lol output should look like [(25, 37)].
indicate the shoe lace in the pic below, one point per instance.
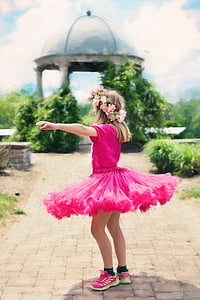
[(103, 277)]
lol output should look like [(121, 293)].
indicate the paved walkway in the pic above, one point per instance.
[(42, 258)]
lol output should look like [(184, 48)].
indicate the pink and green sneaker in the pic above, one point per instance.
[(124, 277), (105, 281)]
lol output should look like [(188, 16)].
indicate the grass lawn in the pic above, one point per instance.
[(191, 193), (8, 206)]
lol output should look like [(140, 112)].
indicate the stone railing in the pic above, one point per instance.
[(18, 154)]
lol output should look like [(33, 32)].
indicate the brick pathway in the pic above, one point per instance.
[(42, 258)]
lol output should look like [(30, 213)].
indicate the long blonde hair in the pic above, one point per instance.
[(123, 132)]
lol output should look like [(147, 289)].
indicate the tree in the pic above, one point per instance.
[(145, 106), (187, 114), (9, 104)]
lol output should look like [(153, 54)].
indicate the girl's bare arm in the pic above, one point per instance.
[(75, 128)]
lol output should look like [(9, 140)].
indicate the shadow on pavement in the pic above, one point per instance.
[(143, 287)]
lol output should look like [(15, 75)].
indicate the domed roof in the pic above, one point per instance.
[(88, 35)]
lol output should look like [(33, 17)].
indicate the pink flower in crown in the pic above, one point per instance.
[(121, 116), (100, 88), (122, 113), (103, 99), (104, 107), (111, 108), (92, 93), (95, 101)]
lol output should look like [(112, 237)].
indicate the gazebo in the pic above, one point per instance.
[(85, 46)]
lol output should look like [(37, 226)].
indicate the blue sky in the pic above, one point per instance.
[(165, 32)]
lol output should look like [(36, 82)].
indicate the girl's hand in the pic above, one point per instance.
[(46, 125)]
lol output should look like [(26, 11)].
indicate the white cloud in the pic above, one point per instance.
[(181, 77), (82, 83), (7, 6), (81, 95), (167, 32), (25, 42), (4, 7)]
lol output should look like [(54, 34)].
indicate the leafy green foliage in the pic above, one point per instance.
[(87, 116), (145, 106), (173, 157), (162, 154), (185, 160), (187, 114), (25, 118), (9, 104), (85, 109), (59, 108)]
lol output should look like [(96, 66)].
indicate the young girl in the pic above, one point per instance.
[(110, 190)]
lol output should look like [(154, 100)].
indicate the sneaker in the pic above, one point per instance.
[(124, 277), (105, 281)]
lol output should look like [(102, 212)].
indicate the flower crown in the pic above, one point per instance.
[(106, 106)]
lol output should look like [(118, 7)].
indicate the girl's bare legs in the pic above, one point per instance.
[(118, 238), (99, 223)]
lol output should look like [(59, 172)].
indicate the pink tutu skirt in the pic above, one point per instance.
[(112, 189)]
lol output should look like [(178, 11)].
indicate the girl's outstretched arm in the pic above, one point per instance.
[(75, 128)]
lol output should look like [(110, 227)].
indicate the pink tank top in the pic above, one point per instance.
[(105, 147)]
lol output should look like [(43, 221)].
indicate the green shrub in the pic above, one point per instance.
[(59, 108), (25, 118), (162, 154), (177, 158), (185, 159), (197, 158)]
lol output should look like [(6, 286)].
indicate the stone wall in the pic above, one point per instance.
[(18, 154)]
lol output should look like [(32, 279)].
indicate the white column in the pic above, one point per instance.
[(64, 74), (39, 83)]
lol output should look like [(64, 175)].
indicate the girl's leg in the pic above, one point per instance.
[(118, 238), (99, 223)]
